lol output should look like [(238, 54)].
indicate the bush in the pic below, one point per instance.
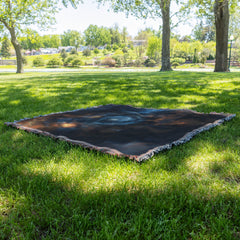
[(131, 46), (175, 64), (63, 54), (54, 62), (138, 62), (86, 52), (109, 61), (73, 61), (74, 51), (115, 46), (97, 62), (119, 60), (180, 54), (118, 52), (96, 50), (125, 50), (105, 52), (68, 60), (38, 62), (24, 60), (203, 59), (126, 59), (130, 63), (109, 48), (211, 57), (150, 62), (178, 60), (76, 62)]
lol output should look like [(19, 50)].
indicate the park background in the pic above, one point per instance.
[(93, 36)]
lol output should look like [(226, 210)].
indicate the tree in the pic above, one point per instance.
[(165, 9), (51, 41), (31, 41), (97, 36), (144, 9), (205, 32), (124, 35), (72, 38), (5, 49), (234, 25), (115, 35), (15, 15), (221, 10), (144, 35), (154, 48)]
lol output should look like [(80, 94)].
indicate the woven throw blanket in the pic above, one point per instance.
[(122, 130)]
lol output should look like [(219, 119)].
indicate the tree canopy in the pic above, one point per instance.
[(5, 49), (17, 15), (97, 36), (71, 38), (145, 9)]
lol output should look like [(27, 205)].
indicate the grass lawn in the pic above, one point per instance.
[(52, 190)]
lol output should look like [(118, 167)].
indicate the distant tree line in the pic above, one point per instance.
[(93, 36), (195, 48)]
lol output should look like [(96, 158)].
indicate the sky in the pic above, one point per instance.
[(88, 13)]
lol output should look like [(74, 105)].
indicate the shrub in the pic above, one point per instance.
[(63, 54), (203, 59), (180, 54), (109, 48), (105, 52), (109, 61), (150, 62), (125, 50), (38, 62), (175, 64), (74, 51), (68, 60), (96, 50), (119, 60), (195, 56), (153, 49), (76, 62), (86, 52), (131, 46), (126, 58), (97, 62), (211, 57), (118, 52), (130, 63), (138, 62), (115, 46), (54, 62), (73, 61), (24, 60), (178, 60)]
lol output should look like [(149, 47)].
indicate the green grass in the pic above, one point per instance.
[(52, 190)]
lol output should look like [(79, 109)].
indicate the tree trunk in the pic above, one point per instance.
[(17, 48), (221, 12), (165, 8)]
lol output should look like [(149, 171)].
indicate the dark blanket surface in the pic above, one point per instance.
[(137, 133)]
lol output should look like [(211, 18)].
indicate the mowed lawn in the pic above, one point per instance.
[(52, 190)]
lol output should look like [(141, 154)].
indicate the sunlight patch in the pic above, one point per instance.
[(122, 130)]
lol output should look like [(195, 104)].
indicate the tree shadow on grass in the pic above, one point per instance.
[(43, 205), (69, 91)]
